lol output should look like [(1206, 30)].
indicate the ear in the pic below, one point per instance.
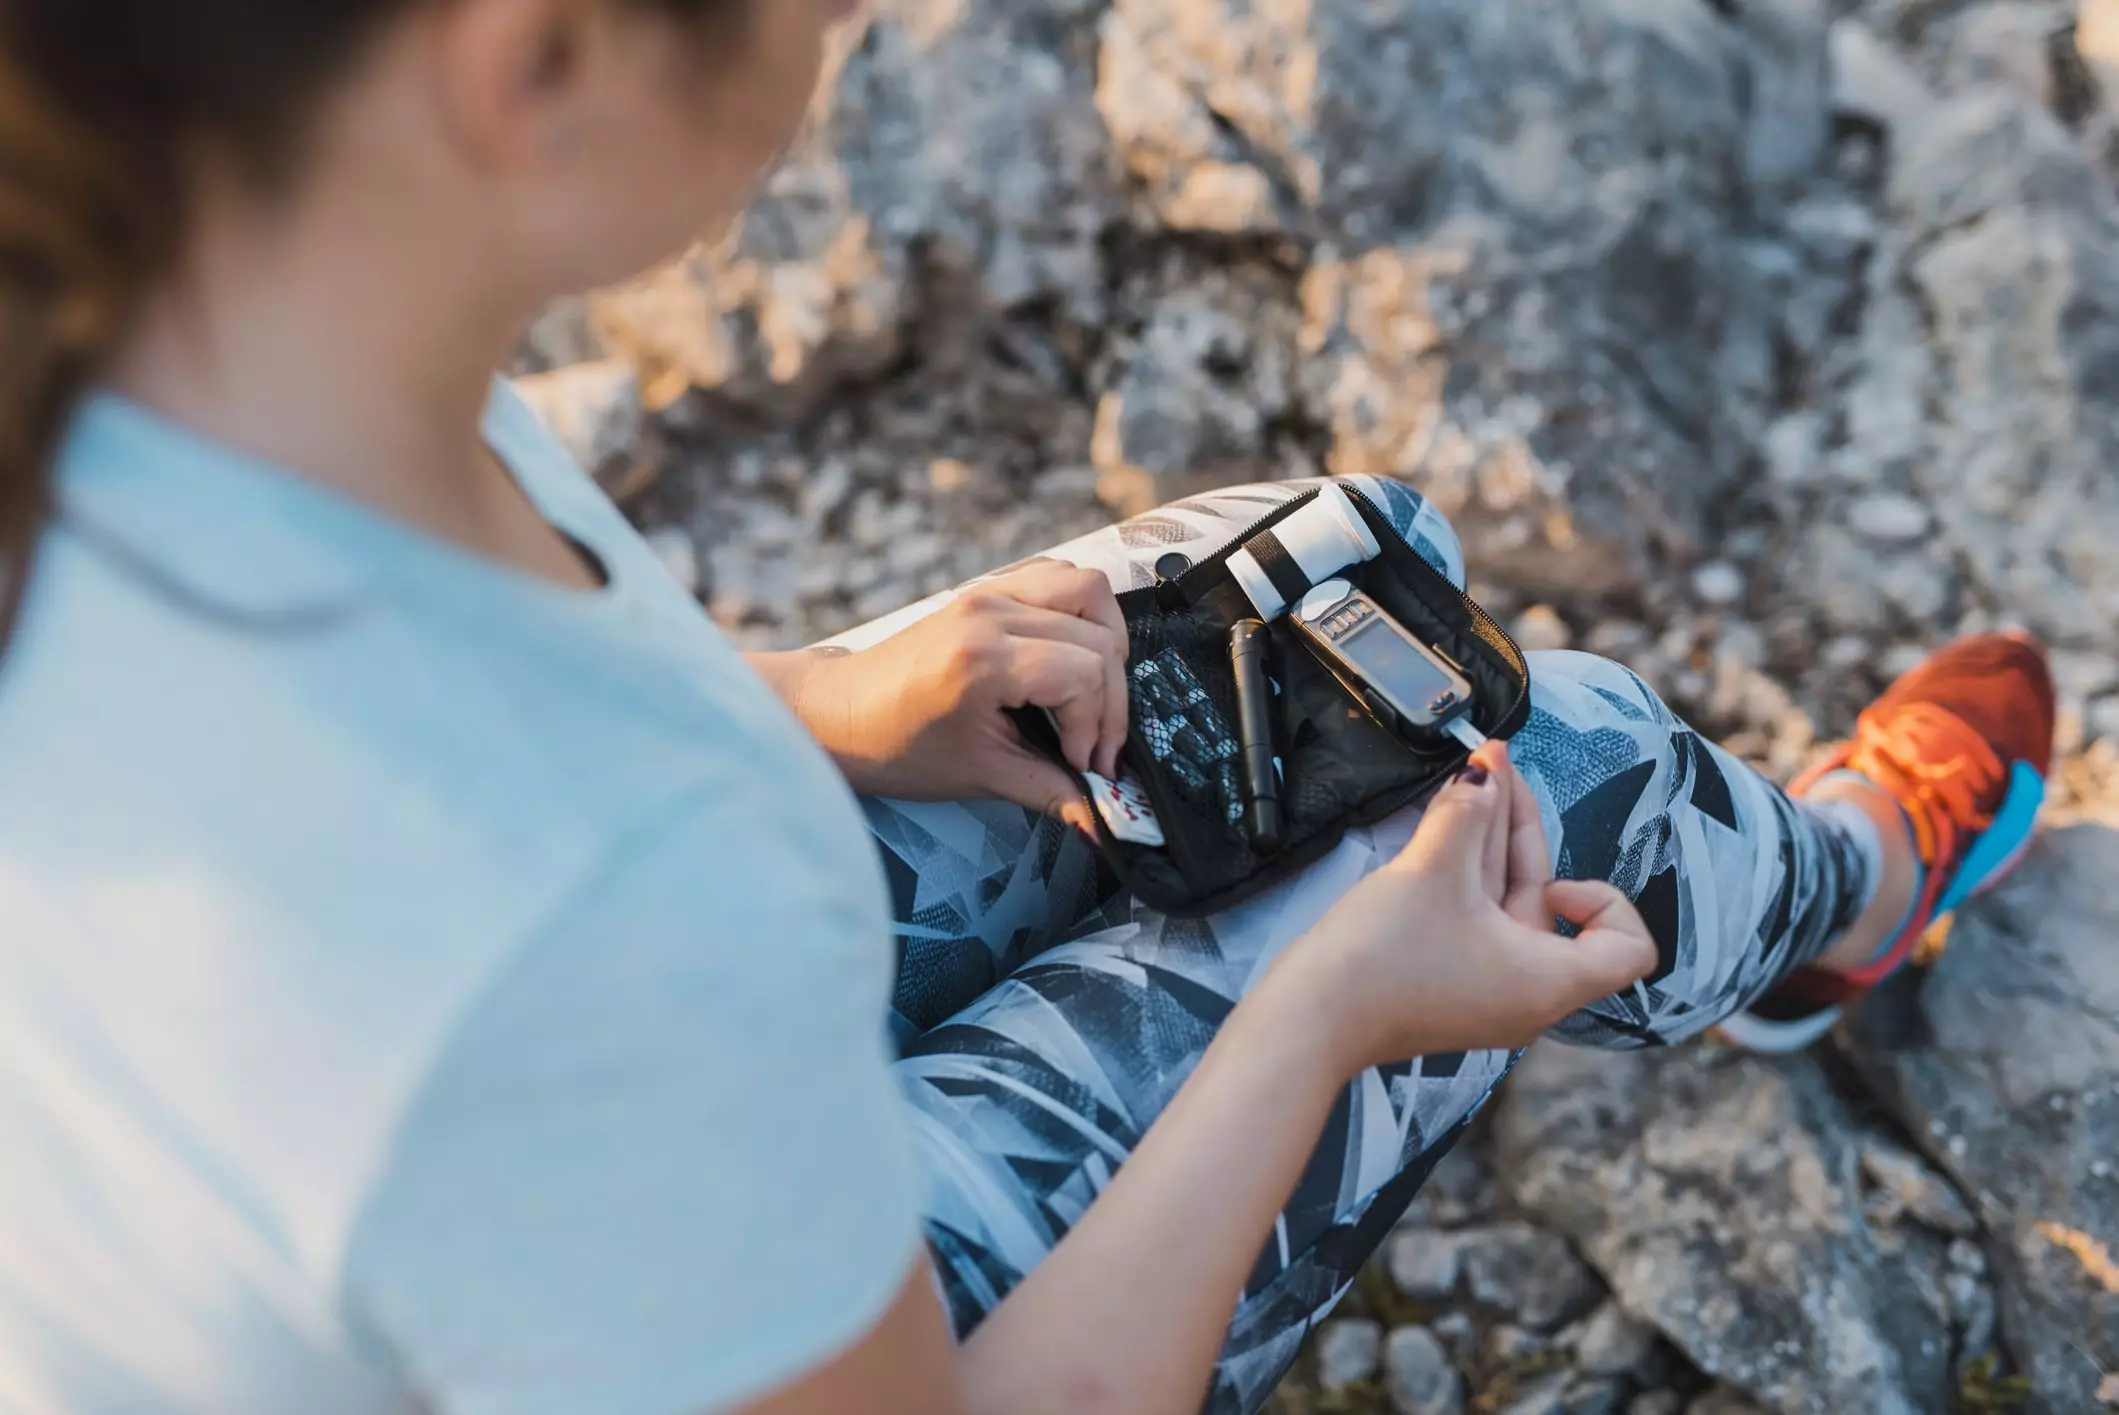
[(515, 75)]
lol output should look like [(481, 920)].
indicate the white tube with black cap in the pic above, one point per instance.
[(1277, 567)]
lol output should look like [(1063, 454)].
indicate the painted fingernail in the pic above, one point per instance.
[(1473, 775)]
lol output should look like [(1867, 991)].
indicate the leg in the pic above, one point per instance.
[(979, 887), (1030, 1098)]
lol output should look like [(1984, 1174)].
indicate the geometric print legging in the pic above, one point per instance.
[(1044, 1019)]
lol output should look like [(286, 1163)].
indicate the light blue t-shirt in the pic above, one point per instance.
[(422, 987)]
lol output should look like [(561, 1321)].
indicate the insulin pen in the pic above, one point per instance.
[(1254, 734)]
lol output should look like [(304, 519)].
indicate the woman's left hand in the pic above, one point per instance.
[(922, 715)]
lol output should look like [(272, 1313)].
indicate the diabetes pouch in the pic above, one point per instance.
[(1340, 767)]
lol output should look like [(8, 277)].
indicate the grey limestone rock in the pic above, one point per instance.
[(1347, 1352), (2003, 1062), (1719, 1196), (1528, 1274), (1419, 1376)]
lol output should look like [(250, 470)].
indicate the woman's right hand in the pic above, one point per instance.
[(1452, 945)]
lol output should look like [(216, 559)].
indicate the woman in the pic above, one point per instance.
[(437, 975)]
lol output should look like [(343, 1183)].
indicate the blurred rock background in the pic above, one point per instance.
[(1761, 344)]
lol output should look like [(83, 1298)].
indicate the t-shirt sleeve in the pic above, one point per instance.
[(662, 1165)]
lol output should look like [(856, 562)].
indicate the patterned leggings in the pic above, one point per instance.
[(1045, 1019)]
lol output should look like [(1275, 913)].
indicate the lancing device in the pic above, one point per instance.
[(1248, 645)]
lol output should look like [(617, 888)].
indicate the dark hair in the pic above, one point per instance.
[(101, 104)]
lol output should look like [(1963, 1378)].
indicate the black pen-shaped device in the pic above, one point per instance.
[(1248, 646)]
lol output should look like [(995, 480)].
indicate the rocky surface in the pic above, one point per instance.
[(2005, 1064), (1761, 344)]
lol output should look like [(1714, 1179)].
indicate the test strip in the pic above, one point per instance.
[(1461, 728)]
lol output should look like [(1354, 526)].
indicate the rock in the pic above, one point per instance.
[(1905, 1186), (1872, 81), (1540, 627), (1508, 1344), (2097, 41), (1611, 1343), (2101, 722), (1714, 1192), (1846, 653), (594, 410), (1347, 1352), (1419, 1376), (1528, 1274), (2004, 1063), (1889, 519), (1423, 1263), (1460, 1189), (2010, 44), (1993, 197), (1727, 1400), (1718, 584), (1657, 1402), (1459, 1335), (1588, 1395), (1193, 395), (2108, 1391)]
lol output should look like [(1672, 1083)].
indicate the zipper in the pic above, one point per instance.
[(1484, 621), (1236, 542)]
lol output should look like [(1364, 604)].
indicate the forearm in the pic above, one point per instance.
[(794, 678), (1131, 1309)]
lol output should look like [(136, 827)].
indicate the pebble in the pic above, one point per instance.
[(1458, 1332), (1846, 653), (1619, 639), (1423, 1263), (1347, 1352), (1611, 1343), (1900, 659), (1419, 1376), (1718, 583), (1460, 1190), (1741, 644), (1529, 1275), (1508, 1343), (1889, 519), (2101, 722), (1540, 628), (1724, 1400)]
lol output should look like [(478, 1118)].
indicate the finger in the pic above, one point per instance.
[(1615, 947), (1033, 782), (1085, 595), (1529, 854), (1065, 679), (1492, 758), (1036, 622), (1451, 842), (1056, 585)]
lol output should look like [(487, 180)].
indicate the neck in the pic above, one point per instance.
[(327, 341)]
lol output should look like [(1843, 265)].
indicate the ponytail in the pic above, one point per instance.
[(77, 246)]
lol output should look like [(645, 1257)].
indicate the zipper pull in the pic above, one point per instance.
[(1169, 569)]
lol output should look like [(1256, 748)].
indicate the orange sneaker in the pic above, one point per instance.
[(1963, 744)]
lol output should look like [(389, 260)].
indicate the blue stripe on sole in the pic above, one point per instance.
[(2001, 843)]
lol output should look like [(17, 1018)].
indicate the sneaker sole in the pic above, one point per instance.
[(1992, 859)]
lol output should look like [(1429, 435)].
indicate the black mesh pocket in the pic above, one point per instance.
[(1181, 729)]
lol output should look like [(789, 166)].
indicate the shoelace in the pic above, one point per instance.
[(1940, 767)]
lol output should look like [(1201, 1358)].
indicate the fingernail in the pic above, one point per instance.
[(1473, 775)]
